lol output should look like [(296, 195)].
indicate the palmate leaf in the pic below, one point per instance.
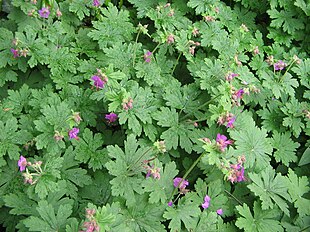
[(271, 189), (285, 147), (49, 221), (126, 169), (187, 213), (160, 189), (200, 6), (178, 133), (285, 19), (74, 175), (115, 27), (139, 218), (251, 141), (11, 138), (299, 186), (79, 7), (89, 150), (262, 221), (144, 105)]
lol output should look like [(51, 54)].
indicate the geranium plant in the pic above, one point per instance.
[(154, 115)]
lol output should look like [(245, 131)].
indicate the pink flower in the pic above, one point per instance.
[(230, 123), (170, 39), (96, 3), (222, 142), (147, 57), (111, 117), (239, 93), (206, 203), (44, 12), (231, 76), (15, 52), (180, 182), (98, 82), (170, 203), (219, 211), (73, 133), (22, 163), (279, 65)]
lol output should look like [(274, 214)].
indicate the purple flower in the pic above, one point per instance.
[(239, 93), (146, 57), (22, 163), (170, 203), (222, 142), (44, 12), (279, 65), (231, 122), (111, 117), (240, 175), (180, 182), (98, 82), (206, 203), (219, 211), (73, 133), (15, 52), (96, 3)]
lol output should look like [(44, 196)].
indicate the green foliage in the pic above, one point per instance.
[(88, 150), (115, 27), (263, 220), (271, 189)]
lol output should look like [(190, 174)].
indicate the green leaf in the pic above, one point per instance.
[(88, 150), (127, 169), (186, 213), (160, 189), (115, 27), (20, 203), (200, 6), (79, 7), (48, 221), (270, 189), (263, 220), (251, 141), (177, 134), (305, 159), (285, 19), (299, 186), (285, 147)]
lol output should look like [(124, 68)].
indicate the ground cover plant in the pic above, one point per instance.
[(154, 115)]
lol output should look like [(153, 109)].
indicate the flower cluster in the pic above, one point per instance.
[(161, 146), (180, 183), (236, 96), (147, 57), (236, 171), (192, 46), (222, 142), (96, 3), (230, 76), (228, 119), (280, 65), (127, 104), (111, 117), (152, 170), (32, 176), (91, 224), (170, 39), (206, 202), (44, 12), (73, 133)]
